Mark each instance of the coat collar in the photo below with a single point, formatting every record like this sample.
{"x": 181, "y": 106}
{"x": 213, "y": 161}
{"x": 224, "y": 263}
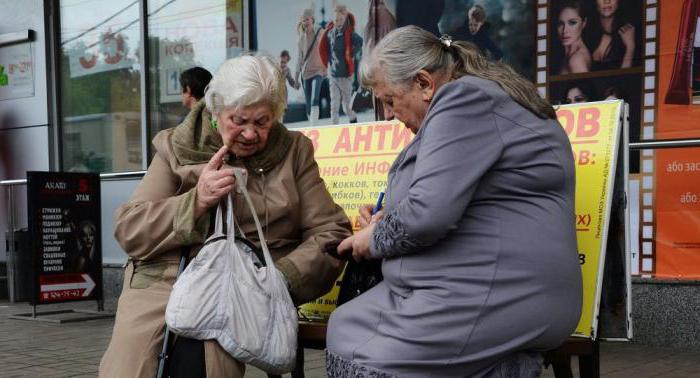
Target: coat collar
{"x": 194, "y": 141}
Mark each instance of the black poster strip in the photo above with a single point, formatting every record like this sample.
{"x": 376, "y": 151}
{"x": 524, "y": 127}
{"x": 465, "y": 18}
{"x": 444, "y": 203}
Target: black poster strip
{"x": 65, "y": 230}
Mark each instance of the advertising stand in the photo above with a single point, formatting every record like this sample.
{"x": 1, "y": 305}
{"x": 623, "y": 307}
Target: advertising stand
{"x": 65, "y": 243}
{"x": 354, "y": 161}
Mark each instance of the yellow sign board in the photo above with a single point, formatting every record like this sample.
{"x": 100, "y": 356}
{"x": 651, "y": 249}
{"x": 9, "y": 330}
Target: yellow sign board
{"x": 593, "y": 129}
{"x": 354, "y": 161}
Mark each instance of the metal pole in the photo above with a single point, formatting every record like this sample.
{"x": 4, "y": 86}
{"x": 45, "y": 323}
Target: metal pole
{"x": 653, "y": 144}
{"x": 11, "y": 240}
{"x": 163, "y": 357}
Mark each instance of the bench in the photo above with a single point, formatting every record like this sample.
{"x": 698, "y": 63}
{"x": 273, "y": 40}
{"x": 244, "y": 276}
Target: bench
{"x": 312, "y": 335}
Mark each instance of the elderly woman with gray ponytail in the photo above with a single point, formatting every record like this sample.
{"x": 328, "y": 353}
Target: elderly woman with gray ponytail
{"x": 477, "y": 237}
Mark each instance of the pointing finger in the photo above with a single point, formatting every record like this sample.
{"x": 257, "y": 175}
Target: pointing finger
{"x": 218, "y": 159}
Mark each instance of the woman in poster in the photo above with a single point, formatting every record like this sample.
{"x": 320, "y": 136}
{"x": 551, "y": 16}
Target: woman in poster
{"x": 575, "y": 56}
{"x": 611, "y": 37}
{"x": 310, "y": 70}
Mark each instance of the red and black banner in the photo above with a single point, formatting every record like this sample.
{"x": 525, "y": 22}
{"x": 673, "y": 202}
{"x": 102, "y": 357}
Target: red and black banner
{"x": 65, "y": 230}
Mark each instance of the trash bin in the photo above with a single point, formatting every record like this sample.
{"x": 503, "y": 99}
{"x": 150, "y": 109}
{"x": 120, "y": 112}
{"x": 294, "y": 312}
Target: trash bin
{"x": 19, "y": 266}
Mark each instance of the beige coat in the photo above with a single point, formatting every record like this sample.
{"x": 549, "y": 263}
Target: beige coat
{"x": 298, "y": 216}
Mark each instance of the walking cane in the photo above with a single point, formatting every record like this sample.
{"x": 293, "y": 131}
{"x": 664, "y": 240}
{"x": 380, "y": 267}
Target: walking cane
{"x": 163, "y": 356}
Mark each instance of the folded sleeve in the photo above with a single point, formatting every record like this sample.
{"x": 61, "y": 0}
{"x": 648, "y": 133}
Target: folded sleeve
{"x": 459, "y": 143}
{"x": 157, "y": 218}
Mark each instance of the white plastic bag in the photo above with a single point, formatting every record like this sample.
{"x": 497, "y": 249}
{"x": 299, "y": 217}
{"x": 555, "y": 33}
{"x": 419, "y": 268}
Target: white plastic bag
{"x": 222, "y": 295}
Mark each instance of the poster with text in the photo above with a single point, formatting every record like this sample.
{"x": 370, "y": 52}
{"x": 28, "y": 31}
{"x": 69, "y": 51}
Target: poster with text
{"x": 354, "y": 162}
{"x": 65, "y": 228}
{"x": 594, "y": 132}
{"x": 677, "y": 171}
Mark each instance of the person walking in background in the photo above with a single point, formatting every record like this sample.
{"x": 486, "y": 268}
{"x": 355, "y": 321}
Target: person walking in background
{"x": 309, "y": 69}
{"x": 478, "y": 30}
{"x": 286, "y": 72}
{"x": 477, "y": 235}
{"x": 193, "y": 82}
{"x": 341, "y": 50}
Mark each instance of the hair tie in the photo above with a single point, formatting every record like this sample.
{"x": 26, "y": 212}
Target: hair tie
{"x": 446, "y": 40}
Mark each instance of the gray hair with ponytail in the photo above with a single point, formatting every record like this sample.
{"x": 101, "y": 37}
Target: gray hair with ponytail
{"x": 405, "y": 51}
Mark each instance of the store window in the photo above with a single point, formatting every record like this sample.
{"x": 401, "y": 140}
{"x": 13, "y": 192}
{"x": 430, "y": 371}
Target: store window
{"x": 182, "y": 35}
{"x": 100, "y": 96}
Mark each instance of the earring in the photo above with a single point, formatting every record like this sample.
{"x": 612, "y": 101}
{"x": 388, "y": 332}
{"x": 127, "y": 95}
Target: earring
{"x": 214, "y": 124}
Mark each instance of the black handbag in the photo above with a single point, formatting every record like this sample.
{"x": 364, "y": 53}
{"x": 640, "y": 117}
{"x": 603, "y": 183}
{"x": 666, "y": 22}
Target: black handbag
{"x": 359, "y": 276}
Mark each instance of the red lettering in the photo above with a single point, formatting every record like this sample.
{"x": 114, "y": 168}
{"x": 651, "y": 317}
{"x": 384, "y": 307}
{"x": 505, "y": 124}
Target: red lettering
{"x": 230, "y": 25}
{"x": 361, "y": 138}
{"x": 401, "y": 137}
{"x": 313, "y": 135}
{"x": 119, "y": 51}
{"x": 584, "y": 157}
{"x": 343, "y": 142}
{"x": 232, "y": 42}
{"x": 88, "y": 63}
{"x": 588, "y": 124}
{"x": 566, "y": 119}
{"x": 382, "y": 130}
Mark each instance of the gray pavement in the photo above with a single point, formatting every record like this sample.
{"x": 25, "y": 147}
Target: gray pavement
{"x": 37, "y": 349}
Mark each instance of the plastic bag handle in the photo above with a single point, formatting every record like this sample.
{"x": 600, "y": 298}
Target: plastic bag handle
{"x": 266, "y": 252}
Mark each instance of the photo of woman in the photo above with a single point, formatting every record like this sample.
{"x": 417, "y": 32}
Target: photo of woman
{"x": 611, "y": 37}
{"x": 571, "y": 53}
{"x": 595, "y": 35}
{"x": 309, "y": 71}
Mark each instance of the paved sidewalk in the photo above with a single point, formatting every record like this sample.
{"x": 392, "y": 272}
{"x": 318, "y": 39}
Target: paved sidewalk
{"x": 37, "y": 349}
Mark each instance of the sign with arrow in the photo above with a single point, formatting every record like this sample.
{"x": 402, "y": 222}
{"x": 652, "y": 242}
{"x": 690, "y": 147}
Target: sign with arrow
{"x": 65, "y": 229}
{"x": 68, "y": 286}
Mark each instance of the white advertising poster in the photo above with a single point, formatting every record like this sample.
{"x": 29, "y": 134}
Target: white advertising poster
{"x": 174, "y": 57}
{"x": 110, "y": 53}
{"x": 16, "y": 71}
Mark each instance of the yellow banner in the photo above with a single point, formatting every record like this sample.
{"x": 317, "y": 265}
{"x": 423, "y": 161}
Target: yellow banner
{"x": 593, "y": 130}
{"x": 354, "y": 161}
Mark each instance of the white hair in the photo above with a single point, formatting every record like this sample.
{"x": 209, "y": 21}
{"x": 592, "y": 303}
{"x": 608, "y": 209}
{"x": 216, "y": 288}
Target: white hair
{"x": 244, "y": 81}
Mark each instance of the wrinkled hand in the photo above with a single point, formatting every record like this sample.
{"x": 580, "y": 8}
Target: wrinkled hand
{"x": 358, "y": 244}
{"x": 366, "y": 217}
{"x": 626, "y": 32}
{"x": 214, "y": 183}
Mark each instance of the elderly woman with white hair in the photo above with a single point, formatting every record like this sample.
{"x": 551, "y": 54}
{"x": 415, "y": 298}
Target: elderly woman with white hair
{"x": 236, "y": 125}
{"x": 477, "y": 237}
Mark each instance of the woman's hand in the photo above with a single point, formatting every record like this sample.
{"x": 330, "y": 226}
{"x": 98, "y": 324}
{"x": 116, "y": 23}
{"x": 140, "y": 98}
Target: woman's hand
{"x": 214, "y": 183}
{"x": 366, "y": 217}
{"x": 358, "y": 244}
{"x": 626, "y": 32}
